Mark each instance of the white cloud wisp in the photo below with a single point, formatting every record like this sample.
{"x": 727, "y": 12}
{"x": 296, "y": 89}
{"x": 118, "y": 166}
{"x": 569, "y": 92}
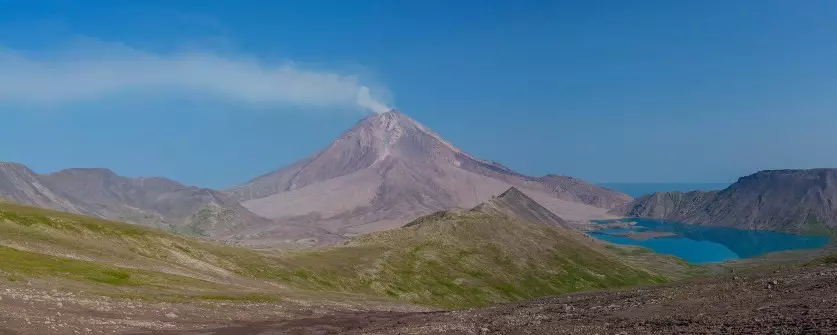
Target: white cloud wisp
{"x": 92, "y": 74}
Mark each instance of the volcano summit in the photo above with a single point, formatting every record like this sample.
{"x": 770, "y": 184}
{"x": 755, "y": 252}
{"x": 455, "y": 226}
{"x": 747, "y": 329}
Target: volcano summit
{"x": 389, "y": 169}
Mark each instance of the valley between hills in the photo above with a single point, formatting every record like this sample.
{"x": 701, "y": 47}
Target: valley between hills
{"x": 393, "y": 230}
{"x": 66, "y": 272}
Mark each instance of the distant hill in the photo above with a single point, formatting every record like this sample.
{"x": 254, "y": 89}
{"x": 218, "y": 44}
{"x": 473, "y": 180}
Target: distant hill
{"x": 389, "y": 169}
{"x": 518, "y": 205}
{"x": 156, "y": 202}
{"x": 506, "y": 249}
{"x": 796, "y": 201}
{"x": 637, "y": 190}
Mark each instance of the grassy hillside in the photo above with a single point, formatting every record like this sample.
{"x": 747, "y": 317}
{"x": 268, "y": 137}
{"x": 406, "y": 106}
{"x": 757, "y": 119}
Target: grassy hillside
{"x": 450, "y": 259}
{"x": 466, "y": 258}
{"x": 118, "y": 258}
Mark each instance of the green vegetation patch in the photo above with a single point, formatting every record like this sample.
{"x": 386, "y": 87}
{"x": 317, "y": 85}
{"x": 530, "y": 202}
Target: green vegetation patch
{"x": 30, "y": 264}
{"x": 828, "y": 259}
{"x": 71, "y": 224}
{"x": 817, "y": 227}
{"x": 457, "y": 260}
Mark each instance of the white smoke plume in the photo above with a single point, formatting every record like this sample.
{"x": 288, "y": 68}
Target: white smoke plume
{"x": 99, "y": 70}
{"x": 365, "y": 100}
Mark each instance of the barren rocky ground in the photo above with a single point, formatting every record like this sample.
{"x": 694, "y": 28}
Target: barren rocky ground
{"x": 26, "y": 309}
{"x": 792, "y": 300}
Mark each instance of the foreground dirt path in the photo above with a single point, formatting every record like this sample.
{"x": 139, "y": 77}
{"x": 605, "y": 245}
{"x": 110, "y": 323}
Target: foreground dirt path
{"x": 789, "y": 301}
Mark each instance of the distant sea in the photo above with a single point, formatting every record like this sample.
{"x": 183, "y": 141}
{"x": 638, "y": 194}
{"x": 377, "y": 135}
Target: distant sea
{"x": 640, "y": 189}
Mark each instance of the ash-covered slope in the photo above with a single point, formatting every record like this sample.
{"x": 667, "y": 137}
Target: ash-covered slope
{"x": 389, "y": 169}
{"x": 797, "y": 201}
{"x": 156, "y": 202}
{"x": 581, "y": 191}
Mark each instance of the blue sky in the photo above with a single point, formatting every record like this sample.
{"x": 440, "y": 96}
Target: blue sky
{"x": 213, "y": 93}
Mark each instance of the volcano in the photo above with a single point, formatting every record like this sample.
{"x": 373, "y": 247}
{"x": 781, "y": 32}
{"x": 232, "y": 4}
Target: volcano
{"x": 390, "y": 169}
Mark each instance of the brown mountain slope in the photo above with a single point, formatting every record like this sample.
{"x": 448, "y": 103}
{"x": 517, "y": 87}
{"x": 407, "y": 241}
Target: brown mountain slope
{"x": 390, "y": 169}
{"x": 582, "y": 191}
{"x": 154, "y": 202}
{"x": 516, "y": 204}
{"x": 667, "y": 205}
{"x": 797, "y": 201}
{"x": 19, "y": 184}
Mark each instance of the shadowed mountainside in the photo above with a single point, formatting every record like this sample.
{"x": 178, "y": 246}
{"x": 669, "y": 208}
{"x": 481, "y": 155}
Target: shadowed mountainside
{"x": 796, "y": 201}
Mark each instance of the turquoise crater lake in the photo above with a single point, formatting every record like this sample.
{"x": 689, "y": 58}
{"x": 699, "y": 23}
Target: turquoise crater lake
{"x": 701, "y": 244}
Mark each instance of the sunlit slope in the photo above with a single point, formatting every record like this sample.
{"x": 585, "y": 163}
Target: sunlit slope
{"x": 466, "y": 258}
{"x": 75, "y": 250}
{"x": 450, "y": 259}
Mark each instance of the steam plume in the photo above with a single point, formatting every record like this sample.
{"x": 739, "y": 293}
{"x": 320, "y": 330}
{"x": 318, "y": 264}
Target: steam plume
{"x": 98, "y": 70}
{"x": 365, "y": 100}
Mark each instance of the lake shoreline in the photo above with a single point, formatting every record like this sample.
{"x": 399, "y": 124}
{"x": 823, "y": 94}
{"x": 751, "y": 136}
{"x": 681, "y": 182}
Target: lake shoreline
{"x": 641, "y": 235}
{"x": 699, "y": 244}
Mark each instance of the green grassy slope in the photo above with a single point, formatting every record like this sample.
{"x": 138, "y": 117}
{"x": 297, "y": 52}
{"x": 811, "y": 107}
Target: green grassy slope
{"x": 459, "y": 259}
{"x": 451, "y": 259}
{"x": 122, "y": 258}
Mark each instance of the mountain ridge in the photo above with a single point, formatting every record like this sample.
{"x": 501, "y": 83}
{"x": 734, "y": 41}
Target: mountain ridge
{"x": 796, "y": 201}
{"x": 155, "y": 201}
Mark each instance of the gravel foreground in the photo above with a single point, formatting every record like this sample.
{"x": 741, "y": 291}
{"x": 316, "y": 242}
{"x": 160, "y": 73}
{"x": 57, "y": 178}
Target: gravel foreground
{"x": 788, "y": 301}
